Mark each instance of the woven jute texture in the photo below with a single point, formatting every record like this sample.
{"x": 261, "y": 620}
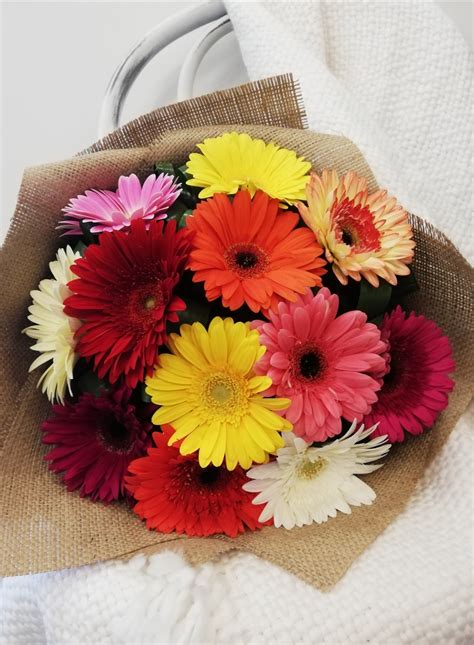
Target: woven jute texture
{"x": 43, "y": 527}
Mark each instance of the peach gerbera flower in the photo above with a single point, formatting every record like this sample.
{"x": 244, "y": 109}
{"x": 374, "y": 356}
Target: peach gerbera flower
{"x": 363, "y": 234}
{"x": 248, "y": 251}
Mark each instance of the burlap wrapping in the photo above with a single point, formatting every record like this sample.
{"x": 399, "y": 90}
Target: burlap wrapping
{"x": 43, "y": 527}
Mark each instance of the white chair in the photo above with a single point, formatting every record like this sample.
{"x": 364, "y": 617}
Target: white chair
{"x": 211, "y": 13}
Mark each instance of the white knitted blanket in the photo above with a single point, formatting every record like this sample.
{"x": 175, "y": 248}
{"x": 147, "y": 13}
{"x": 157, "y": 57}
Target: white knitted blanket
{"x": 395, "y": 78}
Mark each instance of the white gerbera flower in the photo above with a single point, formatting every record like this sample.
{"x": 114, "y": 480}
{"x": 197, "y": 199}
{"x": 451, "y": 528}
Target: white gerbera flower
{"x": 53, "y": 330}
{"x": 307, "y": 484}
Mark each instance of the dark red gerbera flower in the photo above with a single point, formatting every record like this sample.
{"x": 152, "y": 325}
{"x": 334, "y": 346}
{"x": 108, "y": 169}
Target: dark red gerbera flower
{"x": 174, "y": 493}
{"x": 124, "y": 296}
{"x": 95, "y": 440}
{"x": 415, "y": 389}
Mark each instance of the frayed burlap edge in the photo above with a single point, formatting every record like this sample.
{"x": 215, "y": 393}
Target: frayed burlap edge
{"x": 42, "y": 526}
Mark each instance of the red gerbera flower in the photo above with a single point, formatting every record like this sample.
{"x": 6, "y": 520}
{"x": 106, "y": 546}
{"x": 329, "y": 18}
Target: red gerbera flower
{"x": 96, "y": 439}
{"x": 174, "y": 493}
{"x": 124, "y": 295}
{"x": 417, "y": 385}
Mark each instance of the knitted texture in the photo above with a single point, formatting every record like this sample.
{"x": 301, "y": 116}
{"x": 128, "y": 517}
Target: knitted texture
{"x": 393, "y": 77}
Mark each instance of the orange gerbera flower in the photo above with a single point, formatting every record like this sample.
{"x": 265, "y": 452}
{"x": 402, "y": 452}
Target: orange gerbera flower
{"x": 248, "y": 251}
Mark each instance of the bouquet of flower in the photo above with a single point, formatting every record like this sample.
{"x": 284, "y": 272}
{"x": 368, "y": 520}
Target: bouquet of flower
{"x": 224, "y": 341}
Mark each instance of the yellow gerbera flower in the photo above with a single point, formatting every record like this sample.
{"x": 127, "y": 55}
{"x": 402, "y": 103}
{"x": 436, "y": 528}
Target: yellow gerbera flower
{"x": 52, "y": 329}
{"x": 363, "y": 234}
{"x": 211, "y": 396}
{"x": 234, "y": 161}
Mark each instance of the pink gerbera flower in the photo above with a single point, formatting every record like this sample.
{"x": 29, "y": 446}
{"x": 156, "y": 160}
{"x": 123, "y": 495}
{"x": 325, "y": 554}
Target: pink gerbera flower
{"x": 95, "y": 441}
{"x": 416, "y": 388}
{"x": 322, "y": 362}
{"x": 112, "y": 211}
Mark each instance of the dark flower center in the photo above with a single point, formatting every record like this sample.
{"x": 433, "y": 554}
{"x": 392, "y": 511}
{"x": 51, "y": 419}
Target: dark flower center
{"x": 393, "y": 378}
{"x": 355, "y": 226}
{"x": 347, "y": 237}
{"x": 114, "y": 435}
{"x": 246, "y": 259}
{"x": 310, "y": 364}
{"x": 208, "y": 476}
{"x": 307, "y": 364}
{"x": 190, "y": 476}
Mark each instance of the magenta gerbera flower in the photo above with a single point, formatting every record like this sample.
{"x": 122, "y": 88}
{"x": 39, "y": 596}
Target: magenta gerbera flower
{"x": 95, "y": 440}
{"x": 112, "y": 211}
{"x": 417, "y": 385}
{"x": 322, "y": 362}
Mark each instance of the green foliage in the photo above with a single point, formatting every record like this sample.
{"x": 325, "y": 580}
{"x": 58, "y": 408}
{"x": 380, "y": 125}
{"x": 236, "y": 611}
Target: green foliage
{"x": 141, "y": 390}
{"x": 164, "y": 167}
{"x": 80, "y": 248}
{"x": 196, "y": 311}
{"x": 87, "y": 236}
{"x": 406, "y": 284}
{"x": 188, "y": 196}
{"x": 89, "y": 382}
{"x": 374, "y": 301}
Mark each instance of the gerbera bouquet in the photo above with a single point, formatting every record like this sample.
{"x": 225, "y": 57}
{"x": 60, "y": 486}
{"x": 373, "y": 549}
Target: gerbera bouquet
{"x": 224, "y": 342}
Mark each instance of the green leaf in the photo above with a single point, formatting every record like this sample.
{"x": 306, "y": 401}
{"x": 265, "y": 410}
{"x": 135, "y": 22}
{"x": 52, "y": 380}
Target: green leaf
{"x": 188, "y": 198}
{"x": 90, "y": 382}
{"x": 183, "y": 218}
{"x": 374, "y": 300}
{"x": 182, "y": 175}
{"x": 164, "y": 166}
{"x": 196, "y": 311}
{"x": 88, "y": 236}
{"x": 377, "y": 320}
{"x": 188, "y": 195}
{"x": 146, "y": 398}
{"x": 406, "y": 284}
{"x": 177, "y": 210}
{"x": 182, "y": 171}
{"x": 80, "y": 248}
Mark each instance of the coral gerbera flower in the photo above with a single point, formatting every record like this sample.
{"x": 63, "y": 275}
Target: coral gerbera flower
{"x": 53, "y": 329}
{"x": 416, "y": 388}
{"x": 112, "y": 211}
{"x": 124, "y": 295}
{"x": 210, "y": 394}
{"x": 248, "y": 251}
{"x": 234, "y": 161}
{"x": 174, "y": 493}
{"x": 307, "y": 484}
{"x": 364, "y": 234}
{"x": 322, "y": 362}
{"x": 95, "y": 440}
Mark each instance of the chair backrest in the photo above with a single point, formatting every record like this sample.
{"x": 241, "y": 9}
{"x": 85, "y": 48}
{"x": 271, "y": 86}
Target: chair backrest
{"x": 151, "y": 44}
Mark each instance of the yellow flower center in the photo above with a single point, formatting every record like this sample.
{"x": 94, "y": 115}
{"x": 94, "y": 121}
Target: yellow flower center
{"x": 150, "y": 302}
{"x": 221, "y": 392}
{"x": 223, "y": 396}
{"x": 310, "y": 469}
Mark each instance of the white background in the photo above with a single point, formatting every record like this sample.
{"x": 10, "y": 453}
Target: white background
{"x": 57, "y": 58}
